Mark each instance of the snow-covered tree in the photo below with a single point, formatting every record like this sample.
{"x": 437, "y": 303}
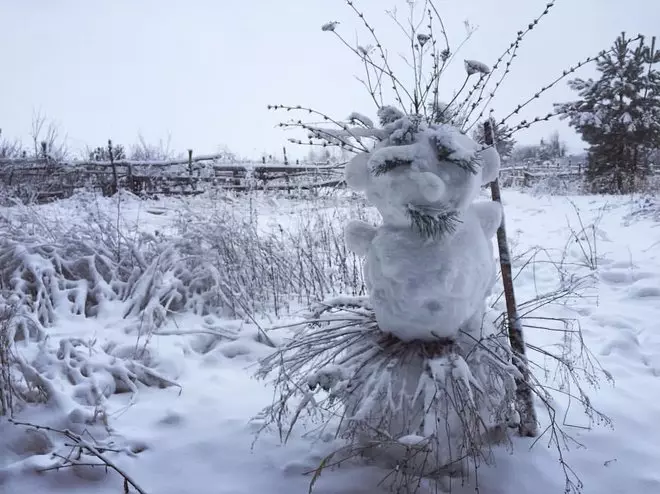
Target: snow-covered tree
{"x": 102, "y": 153}
{"x": 618, "y": 115}
{"x": 552, "y": 148}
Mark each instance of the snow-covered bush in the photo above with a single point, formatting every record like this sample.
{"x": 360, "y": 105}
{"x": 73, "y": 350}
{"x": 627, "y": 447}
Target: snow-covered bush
{"x": 267, "y": 266}
{"x": 213, "y": 261}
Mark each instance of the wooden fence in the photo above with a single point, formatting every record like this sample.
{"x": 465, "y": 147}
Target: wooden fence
{"x": 45, "y": 179}
{"x": 530, "y": 174}
{"x": 527, "y": 176}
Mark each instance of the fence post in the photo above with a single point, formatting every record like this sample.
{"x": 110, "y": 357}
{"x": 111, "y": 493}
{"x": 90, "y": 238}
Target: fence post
{"x": 131, "y": 182}
{"x": 115, "y": 180}
{"x": 190, "y": 169}
{"x": 528, "y": 426}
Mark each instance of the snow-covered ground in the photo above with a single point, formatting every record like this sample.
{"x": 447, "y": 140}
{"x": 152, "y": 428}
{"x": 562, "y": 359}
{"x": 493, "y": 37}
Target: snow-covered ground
{"x": 199, "y": 437}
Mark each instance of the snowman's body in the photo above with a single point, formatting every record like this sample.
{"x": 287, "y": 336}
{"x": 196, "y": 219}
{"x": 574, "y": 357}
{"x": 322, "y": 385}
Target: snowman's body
{"x": 425, "y": 288}
{"x": 421, "y": 287}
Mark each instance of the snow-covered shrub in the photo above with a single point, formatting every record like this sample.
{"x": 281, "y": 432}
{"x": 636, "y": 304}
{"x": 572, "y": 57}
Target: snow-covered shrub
{"x": 268, "y": 266}
{"x": 556, "y": 185}
{"x": 422, "y": 408}
{"x": 50, "y": 270}
{"x": 6, "y": 385}
{"x": 644, "y": 206}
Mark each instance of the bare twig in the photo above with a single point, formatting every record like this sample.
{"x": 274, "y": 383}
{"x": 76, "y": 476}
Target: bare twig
{"x": 87, "y": 447}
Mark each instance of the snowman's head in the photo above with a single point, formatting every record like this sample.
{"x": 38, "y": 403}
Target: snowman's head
{"x": 422, "y": 170}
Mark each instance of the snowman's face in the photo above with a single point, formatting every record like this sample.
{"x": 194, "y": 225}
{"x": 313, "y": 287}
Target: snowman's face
{"x": 391, "y": 193}
{"x": 447, "y": 187}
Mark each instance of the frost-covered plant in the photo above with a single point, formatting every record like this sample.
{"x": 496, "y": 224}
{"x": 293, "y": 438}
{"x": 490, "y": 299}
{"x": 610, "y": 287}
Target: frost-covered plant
{"x": 422, "y": 408}
{"x": 48, "y": 272}
{"x": 7, "y": 390}
{"x": 415, "y": 90}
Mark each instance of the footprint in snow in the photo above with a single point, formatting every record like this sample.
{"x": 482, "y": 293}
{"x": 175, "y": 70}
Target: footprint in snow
{"x": 624, "y": 343}
{"x": 627, "y": 345}
{"x": 615, "y": 321}
{"x": 623, "y": 265}
{"x": 623, "y": 276}
{"x": 644, "y": 290}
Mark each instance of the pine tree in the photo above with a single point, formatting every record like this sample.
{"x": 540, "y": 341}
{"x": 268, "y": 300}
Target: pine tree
{"x": 504, "y": 142}
{"x": 553, "y": 148}
{"x": 619, "y": 116}
{"x": 102, "y": 153}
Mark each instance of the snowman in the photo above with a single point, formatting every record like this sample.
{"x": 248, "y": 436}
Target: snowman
{"x": 429, "y": 266}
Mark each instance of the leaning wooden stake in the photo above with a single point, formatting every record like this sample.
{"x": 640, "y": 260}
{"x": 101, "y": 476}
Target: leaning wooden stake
{"x": 524, "y": 397}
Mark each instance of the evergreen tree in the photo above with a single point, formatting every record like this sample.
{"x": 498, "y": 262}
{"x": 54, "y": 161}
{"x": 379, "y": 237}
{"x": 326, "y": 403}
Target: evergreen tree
{"x": 619, "y": 116}
{"x": 102, "y": 153}
{"x": 553, "y": 148}
{"x": 504, "y": 142}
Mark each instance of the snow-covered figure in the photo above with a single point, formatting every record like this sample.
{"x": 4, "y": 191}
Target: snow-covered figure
{"x": 430, "y": 266}
{"x": 418, "y": 371}
{"x": 429, "y": 269}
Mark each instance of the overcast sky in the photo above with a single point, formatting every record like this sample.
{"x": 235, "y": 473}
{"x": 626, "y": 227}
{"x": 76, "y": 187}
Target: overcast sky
{"x": 203, "y": 71}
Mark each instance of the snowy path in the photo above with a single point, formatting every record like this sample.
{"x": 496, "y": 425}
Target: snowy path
{"x": 200, "y": 441}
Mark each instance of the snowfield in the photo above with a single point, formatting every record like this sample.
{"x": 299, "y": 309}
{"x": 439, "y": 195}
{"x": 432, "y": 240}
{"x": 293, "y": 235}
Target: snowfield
{"x": 188, "y": 422}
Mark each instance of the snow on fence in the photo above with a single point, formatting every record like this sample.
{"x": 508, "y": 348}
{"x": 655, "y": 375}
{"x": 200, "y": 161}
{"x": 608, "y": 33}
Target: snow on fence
{"x": 44, "y": 179}
{"x": 528, "y": 174}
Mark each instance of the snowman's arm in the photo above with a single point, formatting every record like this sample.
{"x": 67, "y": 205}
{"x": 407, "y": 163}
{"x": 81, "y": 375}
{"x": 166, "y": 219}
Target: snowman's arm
{"x": 356, "y": 172}
{"x": 490, "y": 165}
{"x": 490, "y": 216}
{"x": 358, "y": 236}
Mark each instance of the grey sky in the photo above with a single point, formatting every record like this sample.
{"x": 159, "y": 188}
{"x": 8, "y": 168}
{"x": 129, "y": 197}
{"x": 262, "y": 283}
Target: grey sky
{"x": 203, "y": 71}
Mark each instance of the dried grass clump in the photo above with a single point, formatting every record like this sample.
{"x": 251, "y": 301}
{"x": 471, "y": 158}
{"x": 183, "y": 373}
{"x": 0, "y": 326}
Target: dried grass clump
{"x": 422, "y": 409}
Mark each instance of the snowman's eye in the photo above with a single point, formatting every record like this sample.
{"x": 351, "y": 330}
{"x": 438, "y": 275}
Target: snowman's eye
{"x": 388, "y": 165}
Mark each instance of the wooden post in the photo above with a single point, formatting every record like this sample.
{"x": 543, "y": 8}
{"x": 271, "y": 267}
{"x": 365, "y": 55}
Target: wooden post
{"x": 190, "y": 169}
{"x": 115, "y": 179}
{"x": 131, "y": 183}
{"x": 528, "y": 426}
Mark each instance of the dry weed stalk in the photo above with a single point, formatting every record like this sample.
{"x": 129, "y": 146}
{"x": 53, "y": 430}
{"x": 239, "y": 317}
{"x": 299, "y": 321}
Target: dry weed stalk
{"x": 83, "y": 453}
